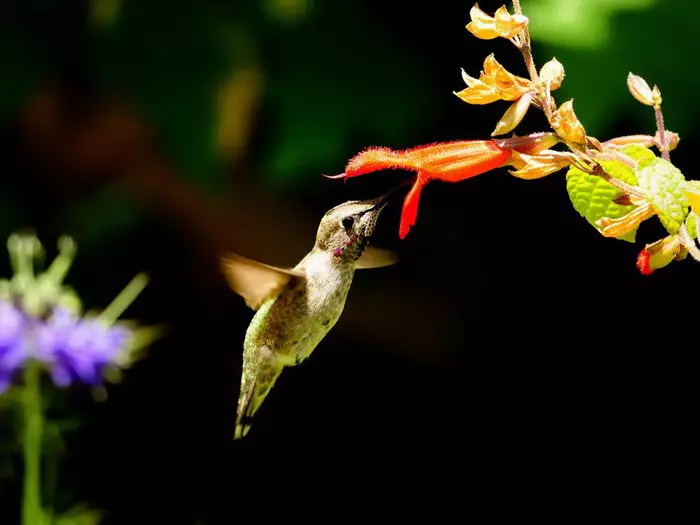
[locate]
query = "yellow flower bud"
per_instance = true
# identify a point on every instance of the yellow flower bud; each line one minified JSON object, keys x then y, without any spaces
{"x":640,"y":89}
{"x":552,"y":73}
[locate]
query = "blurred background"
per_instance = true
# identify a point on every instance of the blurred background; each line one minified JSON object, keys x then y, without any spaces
{"x":514,"y":362}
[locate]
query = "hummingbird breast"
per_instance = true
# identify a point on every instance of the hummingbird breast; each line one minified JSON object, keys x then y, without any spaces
{"x":295,"y":322}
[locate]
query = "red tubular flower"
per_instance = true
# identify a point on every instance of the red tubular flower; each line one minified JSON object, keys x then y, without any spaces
{"x":446,"y":161}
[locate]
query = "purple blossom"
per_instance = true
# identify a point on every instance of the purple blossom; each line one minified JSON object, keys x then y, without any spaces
{"x":38,"y":322}
{"x":76,"y":350}
{"x":13,"y":347}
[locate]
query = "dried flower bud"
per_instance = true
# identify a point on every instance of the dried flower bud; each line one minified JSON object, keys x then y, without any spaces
{"x":567,"y":125}
{"x":659,"y":254}
{"x":513,"y":115}
{"x":553,"y":74}
{"x":494,"y":83}
{"x":617,"y":227}
{"x":544,"y":163}
{"x":502,"y":24}
{"x":640,"y":89}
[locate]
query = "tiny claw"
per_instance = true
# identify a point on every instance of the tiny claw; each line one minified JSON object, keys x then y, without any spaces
{"x":340,"y":176}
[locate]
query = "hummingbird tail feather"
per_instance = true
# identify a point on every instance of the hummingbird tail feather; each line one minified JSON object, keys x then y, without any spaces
{"x":254,"y":389}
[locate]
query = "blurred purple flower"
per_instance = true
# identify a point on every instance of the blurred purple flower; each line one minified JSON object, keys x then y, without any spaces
{"x":76,"y":350}
{"x":13,"y":347}
{"x":40,"y":320}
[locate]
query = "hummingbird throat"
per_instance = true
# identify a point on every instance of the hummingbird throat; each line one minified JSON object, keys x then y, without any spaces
{"x":355,"y":241}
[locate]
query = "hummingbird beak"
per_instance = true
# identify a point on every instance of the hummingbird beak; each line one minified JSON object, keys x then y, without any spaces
{"x":371,"y":214}
{"x":381,"y":201}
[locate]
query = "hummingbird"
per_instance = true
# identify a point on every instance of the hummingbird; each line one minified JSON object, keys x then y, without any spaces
{"x":296,"y":307}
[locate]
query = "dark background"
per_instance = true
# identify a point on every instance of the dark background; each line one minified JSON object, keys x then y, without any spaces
{"x":514,"y":363}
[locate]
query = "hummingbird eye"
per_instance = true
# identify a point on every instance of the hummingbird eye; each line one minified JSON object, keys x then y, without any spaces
{"x":347,"y":222}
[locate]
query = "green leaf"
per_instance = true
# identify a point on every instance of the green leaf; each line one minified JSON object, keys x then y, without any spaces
{"x":691,"y":225}
{"x":593,"y":197}
{"x":637,"y":153}
{"x":663,"y":184}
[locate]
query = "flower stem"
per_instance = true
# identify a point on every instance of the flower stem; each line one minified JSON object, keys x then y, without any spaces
{"x":33,"y":426}
{"x":110,"y":314}
{"x":662,"y":133}
{"x":525,"y":46}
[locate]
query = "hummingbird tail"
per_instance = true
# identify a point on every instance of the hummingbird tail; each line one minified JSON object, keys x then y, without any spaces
{"x":255,"y":387}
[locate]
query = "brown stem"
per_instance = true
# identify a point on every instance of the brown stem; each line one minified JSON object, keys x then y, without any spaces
{"x":525,"y":47}
{"x":627,"y":188}
{"x":620,"y":142}
{"x":616,"y":155}
{"x":662,"y":133}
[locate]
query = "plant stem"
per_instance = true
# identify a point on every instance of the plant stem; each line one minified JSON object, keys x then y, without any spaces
{"x":120,"y":303}
{"x":662,"y":133}
{"x":525,"y":47}
{"x":630,"y":190}
{"x":33,"y":425}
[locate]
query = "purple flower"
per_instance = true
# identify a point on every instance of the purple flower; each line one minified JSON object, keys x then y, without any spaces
{"x":41,"y":320}
{"x":13,"y":347}
{"x":76,"y":350}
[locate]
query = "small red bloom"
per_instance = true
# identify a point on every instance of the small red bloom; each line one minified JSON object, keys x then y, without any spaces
{"x":643,"y":260}
{"x":446,"y":161}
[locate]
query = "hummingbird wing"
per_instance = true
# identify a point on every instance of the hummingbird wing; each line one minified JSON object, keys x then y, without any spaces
{"x":376,"y":258}
{"x":254,"y":281}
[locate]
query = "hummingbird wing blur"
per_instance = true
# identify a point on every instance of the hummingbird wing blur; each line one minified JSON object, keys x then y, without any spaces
{"x":376,"y":258}
{"x":254,"y":281}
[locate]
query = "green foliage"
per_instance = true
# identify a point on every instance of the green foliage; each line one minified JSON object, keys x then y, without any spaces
{"x":663,"y":184}
{"x":315,"y":100}
{"x":168,"y":58}
{"x":601,"y":41}
{"x":691,"y":225}
{"x":593,"y":198}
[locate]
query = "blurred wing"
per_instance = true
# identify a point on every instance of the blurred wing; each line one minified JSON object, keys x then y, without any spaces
{"x":376,"y":258}
{"x":254,"y":281}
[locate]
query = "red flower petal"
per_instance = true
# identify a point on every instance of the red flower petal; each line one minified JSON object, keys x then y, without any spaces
{"x":409,"y":213}
{"x":447,"y":161}
{"x":643,"y":260}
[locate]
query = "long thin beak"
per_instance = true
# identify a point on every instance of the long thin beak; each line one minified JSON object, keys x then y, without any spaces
{"x":381,"y":201}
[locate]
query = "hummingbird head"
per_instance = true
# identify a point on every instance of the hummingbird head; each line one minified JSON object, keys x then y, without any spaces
{"x":345,"y":230}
